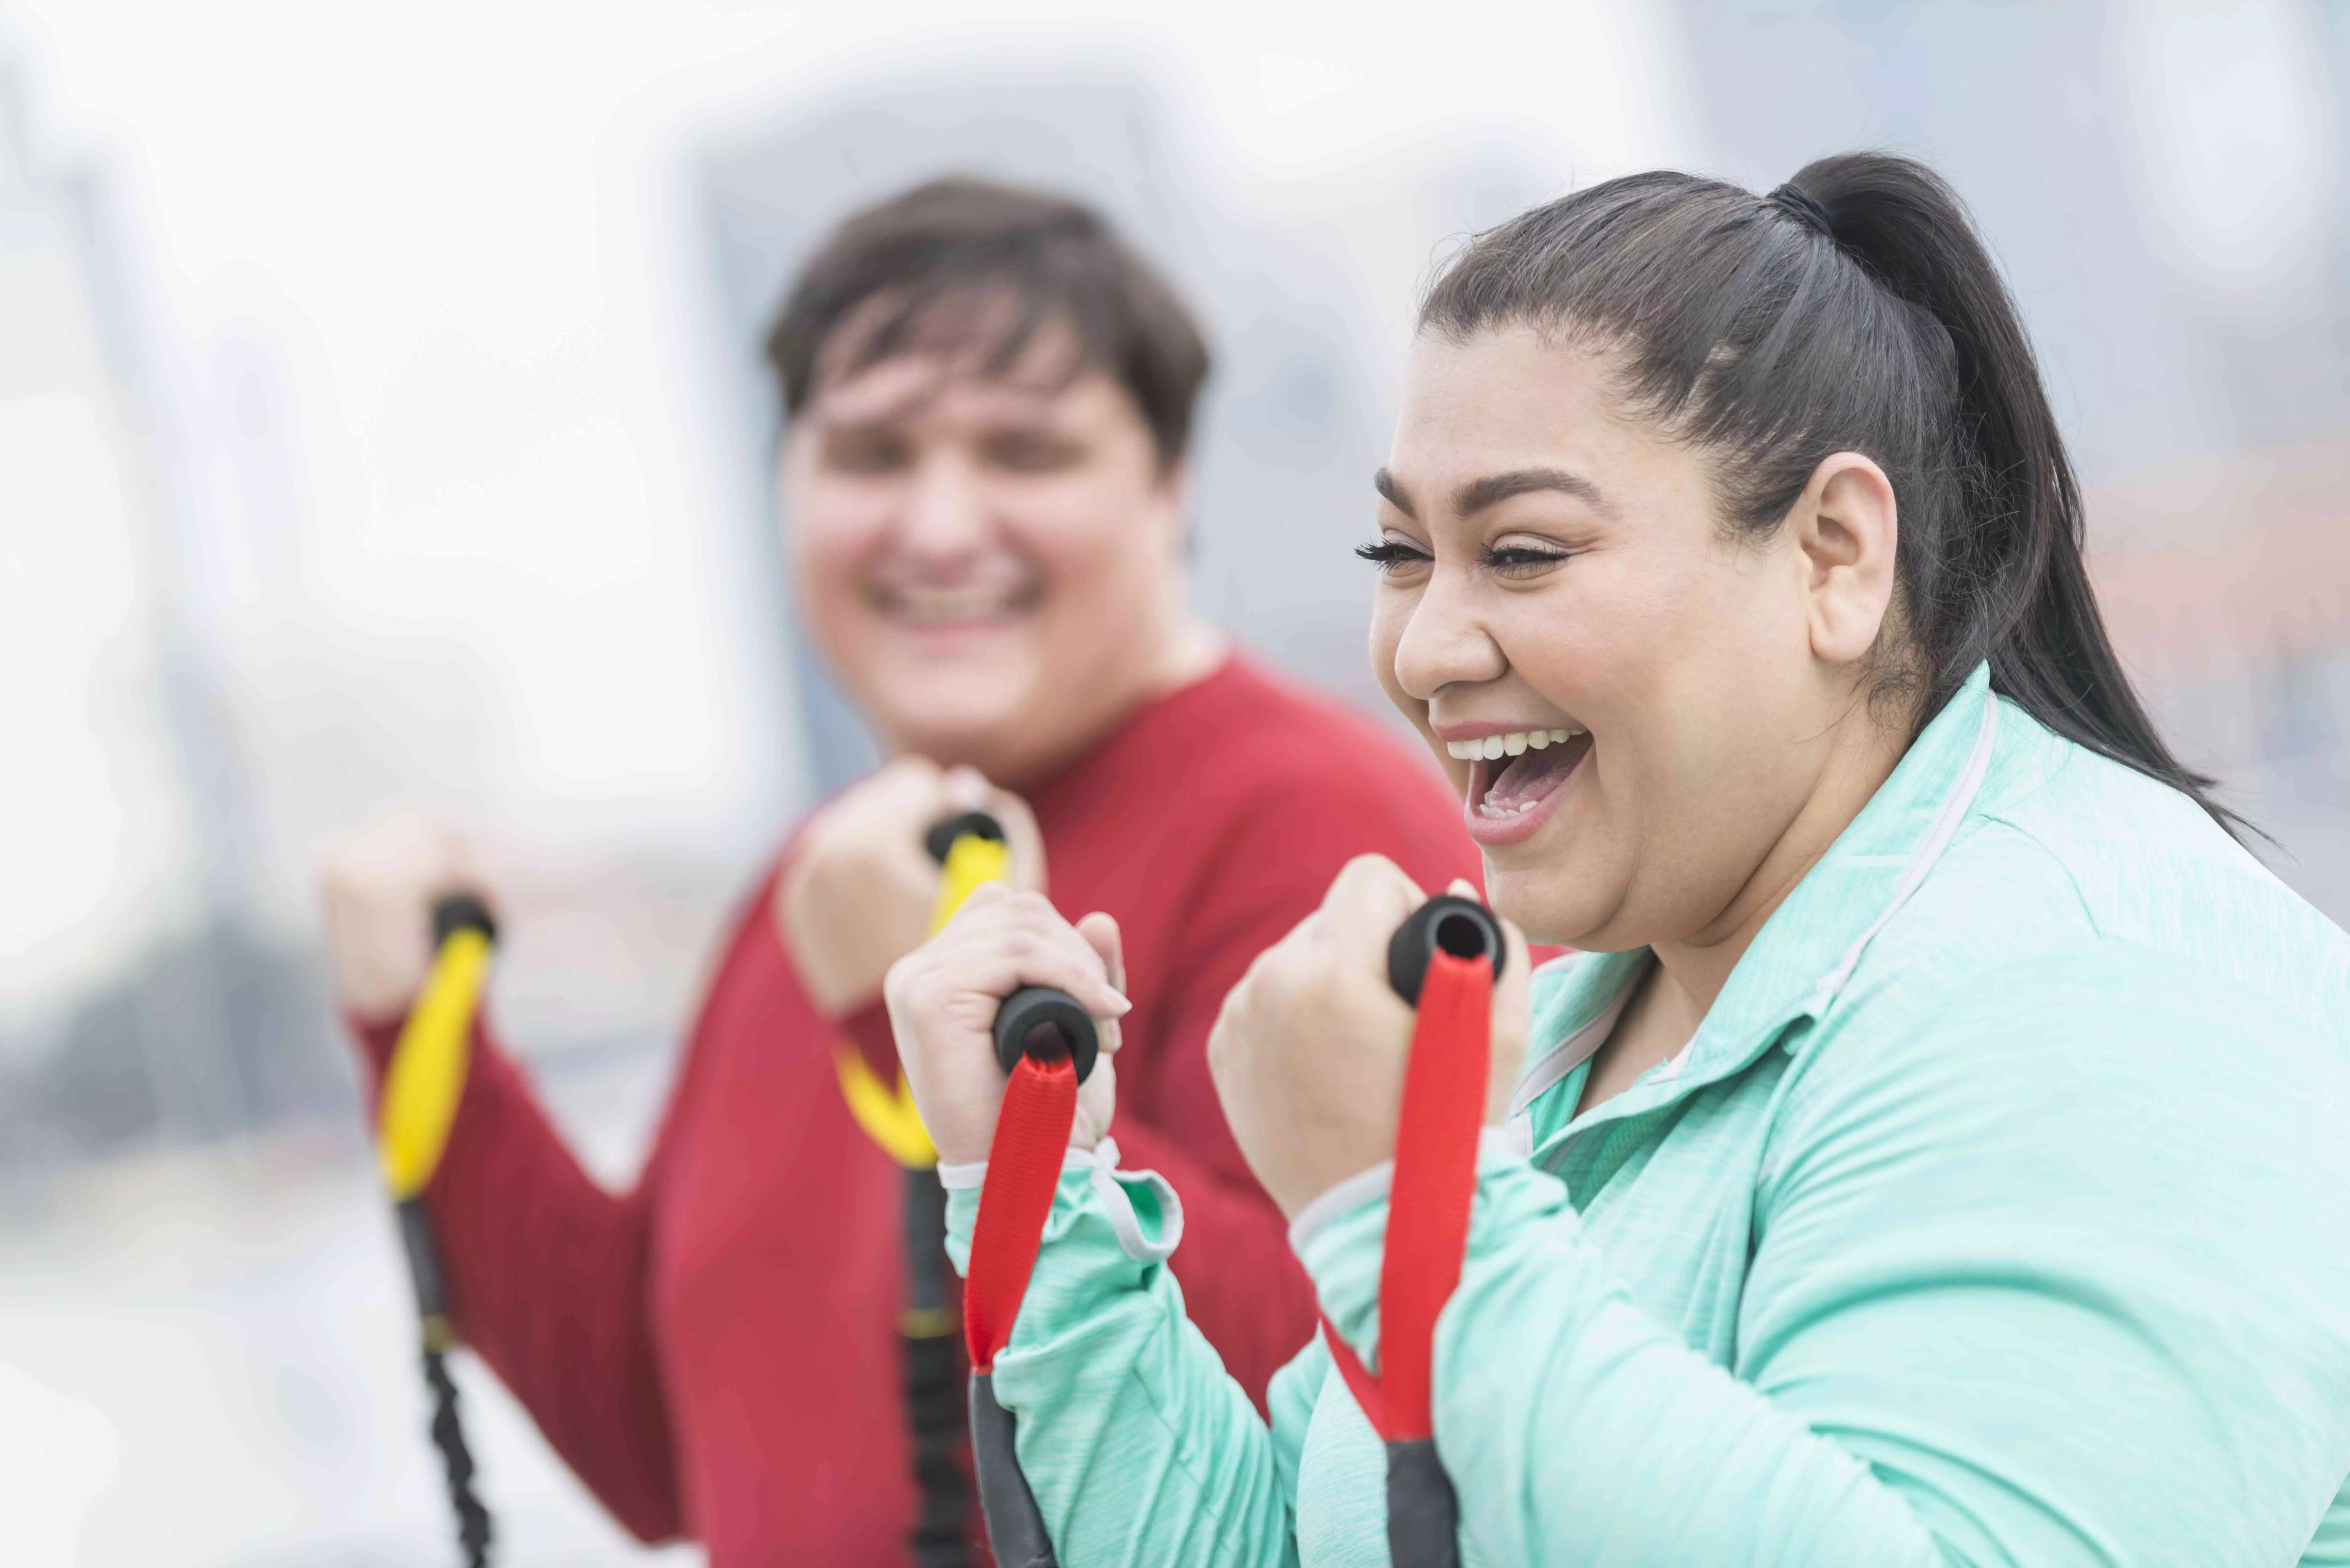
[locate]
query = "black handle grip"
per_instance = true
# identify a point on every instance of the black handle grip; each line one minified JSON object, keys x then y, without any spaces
{"x":1462,"y":926}
{"x":461,"y":913}
{"x":969,"y":824}
{"x":1047,"y":1025}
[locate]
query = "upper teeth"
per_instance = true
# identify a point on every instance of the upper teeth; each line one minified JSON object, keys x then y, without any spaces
{"x":1508,"y":745}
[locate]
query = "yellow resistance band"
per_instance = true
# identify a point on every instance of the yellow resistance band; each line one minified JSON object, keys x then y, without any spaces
{"x":428,"y":1067}
{"x":887,"y":1114}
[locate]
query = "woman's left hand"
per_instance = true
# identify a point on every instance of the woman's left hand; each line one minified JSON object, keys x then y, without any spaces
{"x":1309,"y":1053}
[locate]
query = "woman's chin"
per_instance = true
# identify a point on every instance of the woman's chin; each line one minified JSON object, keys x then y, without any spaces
{"x":1545,"y":897}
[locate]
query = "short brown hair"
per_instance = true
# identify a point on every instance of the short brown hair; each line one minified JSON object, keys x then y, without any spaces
{"x":1055,"y":260}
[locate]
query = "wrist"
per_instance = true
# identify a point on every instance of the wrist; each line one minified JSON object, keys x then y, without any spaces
{"x":1294,"y":1191}
{"x":835,"y":983}
{"x":1370,"y":1186}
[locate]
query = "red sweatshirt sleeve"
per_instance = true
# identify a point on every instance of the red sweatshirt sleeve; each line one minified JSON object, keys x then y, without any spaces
{"x":548,"y":1283}
{"x":549,"y":1275}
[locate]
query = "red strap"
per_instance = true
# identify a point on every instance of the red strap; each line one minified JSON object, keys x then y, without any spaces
{"x":1024,"y":1167}
{"x":1428,"y":1200}
{"x":1359,"y":1381}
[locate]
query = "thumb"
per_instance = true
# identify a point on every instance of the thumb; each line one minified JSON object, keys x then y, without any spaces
{"x":1512,"y":1024}
{"x":1101,"y":933}
{"x":1022,"y":837}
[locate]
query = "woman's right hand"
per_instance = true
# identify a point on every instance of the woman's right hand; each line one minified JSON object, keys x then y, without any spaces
{"x":376,"y":887}
{"x":858,"y":893}
{"x":942,"y":999}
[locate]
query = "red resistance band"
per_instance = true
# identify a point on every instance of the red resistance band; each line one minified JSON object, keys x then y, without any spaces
{"x":1429,"y":1199}
{"x":1024,"y":1170}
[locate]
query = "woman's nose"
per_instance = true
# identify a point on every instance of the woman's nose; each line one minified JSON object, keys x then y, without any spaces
{"x":1444,"y":642}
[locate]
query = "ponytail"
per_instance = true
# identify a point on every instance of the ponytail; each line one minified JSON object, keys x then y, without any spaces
{"x":2010,"y":583}
{"x":1855,"y":309}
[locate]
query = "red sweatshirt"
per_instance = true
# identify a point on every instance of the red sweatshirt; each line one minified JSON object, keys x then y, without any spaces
{"x":715,"y":1353}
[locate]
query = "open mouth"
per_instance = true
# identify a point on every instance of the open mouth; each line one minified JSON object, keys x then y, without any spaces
{"x":1513,"y":777}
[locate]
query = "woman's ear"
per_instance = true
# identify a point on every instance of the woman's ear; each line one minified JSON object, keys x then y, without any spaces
{"x":1846,"y":527}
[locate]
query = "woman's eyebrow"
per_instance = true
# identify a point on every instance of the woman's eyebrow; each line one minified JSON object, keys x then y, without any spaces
{"x":1385,"y":484}
{"x":1496,"y":488}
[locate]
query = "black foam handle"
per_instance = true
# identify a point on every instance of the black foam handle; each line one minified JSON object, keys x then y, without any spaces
{"x":1015,"y":1525}
{"x":1047,"y":1025}
{"x":969,"y":824}
{"x":461,"y":913}
{"x":1462,"y":926}
{"x":1423,"y":1514}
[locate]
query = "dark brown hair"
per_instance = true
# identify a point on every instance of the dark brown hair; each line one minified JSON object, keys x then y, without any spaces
{"x":941,"y":258}
{"x":1855,"y":310}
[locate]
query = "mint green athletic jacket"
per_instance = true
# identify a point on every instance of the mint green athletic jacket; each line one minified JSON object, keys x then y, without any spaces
{"x":1998,"y":1213}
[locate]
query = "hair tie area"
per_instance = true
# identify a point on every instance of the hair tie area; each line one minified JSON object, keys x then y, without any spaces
{"x":1804,"y":207}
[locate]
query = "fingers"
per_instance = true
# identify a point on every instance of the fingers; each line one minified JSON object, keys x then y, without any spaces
{"x":887,"y":811}
{"x":1021,"y":835}
{"x":375,"y":889}
{"x":961,"y":789}
{"x":1511,"y":1023}
{"x":1510,"y":992}
{"x":1096,"y":1101}
{"x":1370,"y":899}
{"x":405,"y":852}
{"x":1374,"y":876}
{"x":1100,"y":931}
{"x":965,"y":789}
{"x":1000,"y":940}
{"x":903,"y":786}
{"x":1518,"y":962}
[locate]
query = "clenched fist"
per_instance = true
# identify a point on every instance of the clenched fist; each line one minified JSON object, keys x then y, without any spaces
{"x":857,"y":896}
{"x":942,"y":1000}
{"x":377,"y":886}
{"x":1308,"y":1053}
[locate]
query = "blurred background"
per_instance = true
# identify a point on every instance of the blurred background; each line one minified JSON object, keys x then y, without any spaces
{"x":381,"y":417}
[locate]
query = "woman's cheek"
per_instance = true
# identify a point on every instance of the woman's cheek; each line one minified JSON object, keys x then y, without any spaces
{"x":1391,"y":608}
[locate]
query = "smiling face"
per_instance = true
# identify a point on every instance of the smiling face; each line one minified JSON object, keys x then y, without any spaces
{"x":1553,"y":567}
{"x":990,"y":560}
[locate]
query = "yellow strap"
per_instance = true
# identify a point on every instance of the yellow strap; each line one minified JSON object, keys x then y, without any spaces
{"x":428,"y":1067}
{"x":888,"y":1117}
{"x":971,"y":860}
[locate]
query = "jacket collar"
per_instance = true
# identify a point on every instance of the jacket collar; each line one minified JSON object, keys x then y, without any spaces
{"x":1805,"y":952}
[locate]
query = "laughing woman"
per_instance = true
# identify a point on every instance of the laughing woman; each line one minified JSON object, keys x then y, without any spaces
{"x":1940,"y":1155}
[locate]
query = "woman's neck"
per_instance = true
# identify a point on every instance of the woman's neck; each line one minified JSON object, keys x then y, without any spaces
{"x":1857,"y":765}
{"x":1679,"y":989}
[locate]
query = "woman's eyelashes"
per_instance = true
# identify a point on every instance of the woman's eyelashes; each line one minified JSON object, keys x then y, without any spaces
{"x":1512,"y":562}
{"x":1522,"y":561}
{"x":1391,"y":554}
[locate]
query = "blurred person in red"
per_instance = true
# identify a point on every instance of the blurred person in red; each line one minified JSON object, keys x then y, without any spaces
{"x":990,"y":402}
